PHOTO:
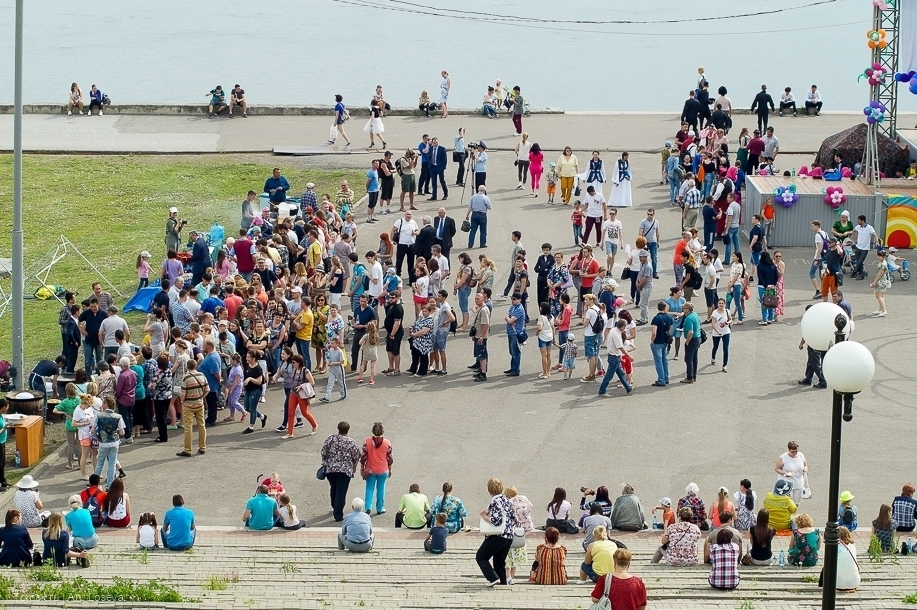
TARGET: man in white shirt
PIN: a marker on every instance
(813, 100)
(771, 144)
(595, 213)
(442, 260)
(787, 100)
(733, 212)
(376, 279)
(592, 340)
(177, 286)
(613, 231)
(403, 234)
(107, 330)
(614, 343)
(865, 236)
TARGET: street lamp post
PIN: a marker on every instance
(848, 367)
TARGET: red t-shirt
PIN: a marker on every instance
(243, 251)
(100, 496)
(591, 268)
(625, 592)
(755, 146)
(232, 303)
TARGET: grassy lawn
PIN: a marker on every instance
(112, 208)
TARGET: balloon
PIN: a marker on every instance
(835, 197)
(875, 112)
(786, 195)
(875, 74)
(876, 39)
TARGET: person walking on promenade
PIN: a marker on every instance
(760, 105)
(567, 169)
(478, 206)
(518, 109)
(340, 456)
(444, 89)
(340, 116)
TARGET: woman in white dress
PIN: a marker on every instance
(621, 195)
(444, 93)
(374, 125)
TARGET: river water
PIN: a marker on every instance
(305, 51)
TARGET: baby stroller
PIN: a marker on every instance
(847, 264)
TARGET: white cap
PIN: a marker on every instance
(223, 323)
(666, 502)
(296, 289)
(571, 337)
(144, 254)
(310, 185)
(173, 210)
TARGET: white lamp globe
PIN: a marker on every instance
(818, 327)
(849, 367)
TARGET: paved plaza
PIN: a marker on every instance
(540, 434)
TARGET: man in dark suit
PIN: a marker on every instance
(720, 119)
(423, 244)
(704, 101)
(200, 257)
(762, 101)
(444, 230)
(690, 112)
(438, 168)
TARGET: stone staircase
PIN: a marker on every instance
(304, 569)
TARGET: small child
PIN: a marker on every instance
(273, 484)
(666, 153)
(335, 365)
(291, 520)
(234, 388)
(551, 179)
(577, 218)
(911, 172)
(369, 352)
(392, 283)
(847, 512)
(436, 540)
(668, 517)
(147, 532)
(569, 349)
(627, 361)
(143, 269)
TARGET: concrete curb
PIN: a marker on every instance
(253, 110)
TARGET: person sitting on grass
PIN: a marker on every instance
(57, 544)
(261, 511)
(178, 529)
(356, 533)
(436, 540)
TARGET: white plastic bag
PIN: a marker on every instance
(334, 133)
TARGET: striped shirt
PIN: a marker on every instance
(195, 387)
(692, 199)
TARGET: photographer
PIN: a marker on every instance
(174, 225)
(406, 165)
(480, 164)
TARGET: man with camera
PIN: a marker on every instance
(480, 164)
(174, 225)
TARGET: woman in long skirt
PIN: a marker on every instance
(621, 195)
(374, 125)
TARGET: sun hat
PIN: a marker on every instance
(144, 254)
(666, 502)
(27, 482)
(846, 496)
(173, 210)
(783, 487)
(571, 337)
(552, 164)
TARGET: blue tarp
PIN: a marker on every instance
(141, 301)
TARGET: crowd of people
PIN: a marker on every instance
(266, 306)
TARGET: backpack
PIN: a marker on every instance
(365, 282)
(95, 509)
(599, 325)
(696, 280)
(345, 116)
(848, 515)
(679, 172)
(398, 167)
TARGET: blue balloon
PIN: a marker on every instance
(913, 87)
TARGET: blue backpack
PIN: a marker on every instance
(95, 509)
